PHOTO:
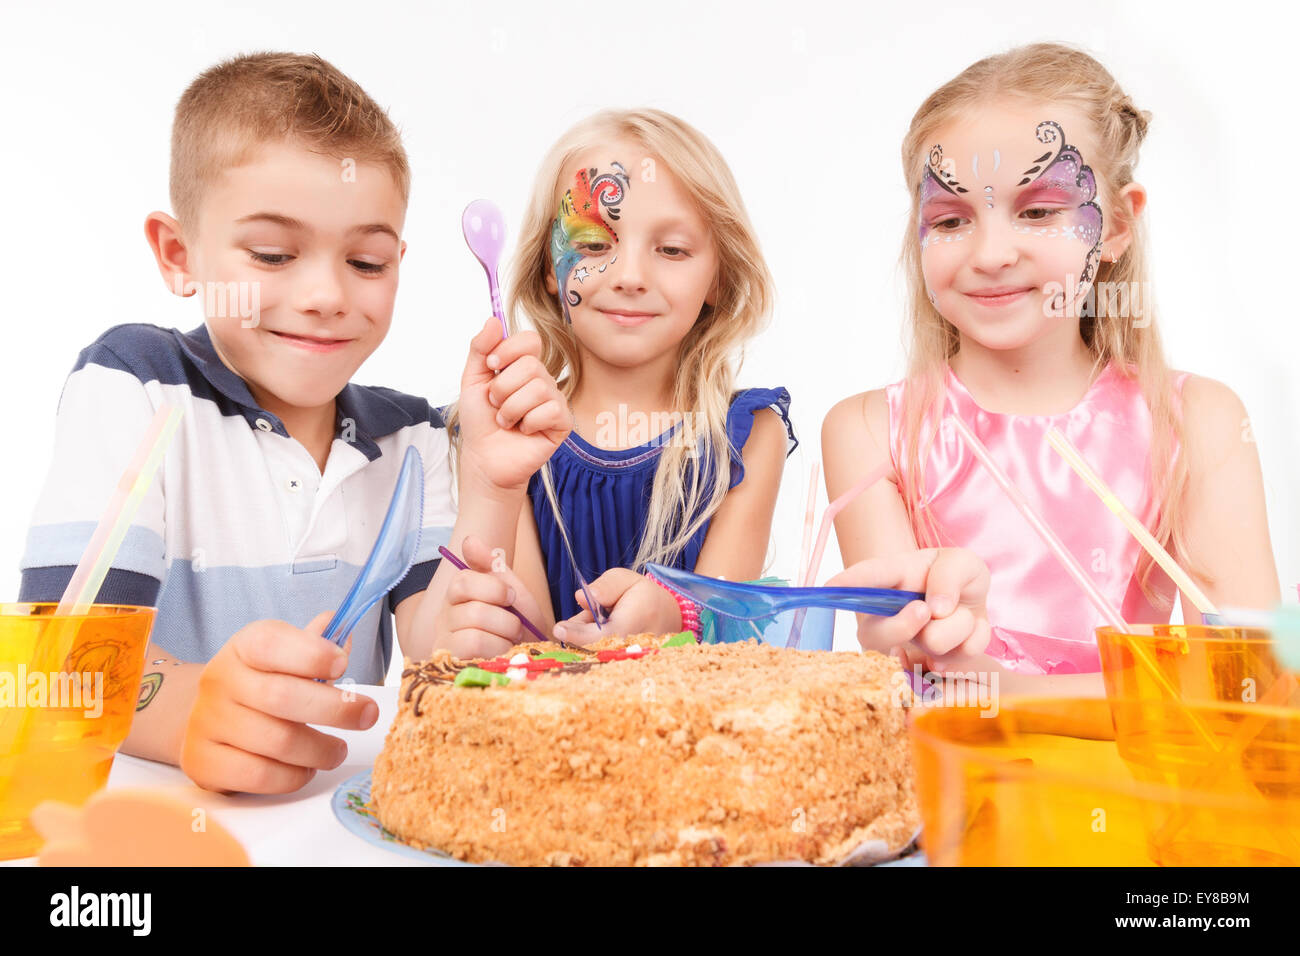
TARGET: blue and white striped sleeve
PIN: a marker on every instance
(104, 411)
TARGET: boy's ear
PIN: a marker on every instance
(164, 236)
(1132, 201)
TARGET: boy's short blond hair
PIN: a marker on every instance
(236, 106)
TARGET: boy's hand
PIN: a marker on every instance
(952, 618)
(512, 415)
(248, 728)
(474, 621)
(637, 605)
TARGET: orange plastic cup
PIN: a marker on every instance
(1037, 783)
(63, 726)
(1196, 663)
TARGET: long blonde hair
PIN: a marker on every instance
(686, 494)
(1054, 73)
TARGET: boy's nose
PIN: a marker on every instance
(321, 291)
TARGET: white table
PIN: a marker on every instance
(293, 829)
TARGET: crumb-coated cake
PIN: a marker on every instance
(649, 754)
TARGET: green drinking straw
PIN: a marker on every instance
(89, 576)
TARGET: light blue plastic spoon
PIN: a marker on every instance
(752, 602)
(394, 551)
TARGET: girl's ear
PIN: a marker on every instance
(1132, 200)
(552, 286)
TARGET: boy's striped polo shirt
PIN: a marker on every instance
(239, 524)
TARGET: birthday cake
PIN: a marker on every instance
(645, 751)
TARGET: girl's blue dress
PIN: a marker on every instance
(605, 497)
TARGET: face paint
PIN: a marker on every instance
(975, 163)
(939, 180)
(933, 188)
(1061, 172)
(579, 223)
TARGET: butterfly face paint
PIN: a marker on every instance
(937, 183)
(1060, 173)
(1054, 197)
(579, 225)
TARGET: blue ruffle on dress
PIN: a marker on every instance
(605, 497)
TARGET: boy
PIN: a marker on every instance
(289, 186)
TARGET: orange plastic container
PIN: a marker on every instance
(1195, 663)
(61, 726)
(1039, 783)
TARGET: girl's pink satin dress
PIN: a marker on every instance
(1042, 622)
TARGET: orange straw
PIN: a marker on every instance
(1139, 531)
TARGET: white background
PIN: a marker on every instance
(808, 102)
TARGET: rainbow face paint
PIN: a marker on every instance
(580, 223)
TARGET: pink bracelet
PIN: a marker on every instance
(689, 609)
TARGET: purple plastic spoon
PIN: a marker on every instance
(485, 234)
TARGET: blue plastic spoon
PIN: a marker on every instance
(394, 551)
(752, 602)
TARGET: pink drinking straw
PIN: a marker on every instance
(813, 475)
(828, 521)
(823, 534)
(1103, 606)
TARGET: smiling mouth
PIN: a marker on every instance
(627, 318)
(311, 343)
(1003, 295)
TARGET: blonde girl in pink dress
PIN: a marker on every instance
(1030, 308)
